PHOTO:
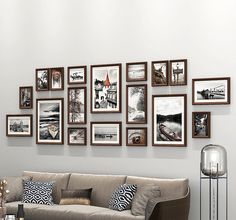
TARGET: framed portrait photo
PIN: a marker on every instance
(77, 136)
(25, 97)
(160, 73)
(50, 121)
(178, 72)
(136, 136)
(77, 75)
(136, 104)
(57, 78)
(136, 71)
(169, 120)
(42, 79)
(106, 88)
(201, 124)
(211, 91)
(106, 133)
(19, 125)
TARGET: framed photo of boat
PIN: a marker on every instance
(57, 78)
(136, 71)
(169, 118)
(26, 97)
(77, 105)
(160, 73)
(136, 136)
(50, 121)
(106, 133)
(42, 79)
(201, 125)
(211, 91)
(136, 104)
(178, 72)
(106, 88)
(77, 136)
(76, 75)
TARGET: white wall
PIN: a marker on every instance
(47, 33)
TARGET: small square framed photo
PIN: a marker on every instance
(136, 71)
(178, 72)
(136, 137)
(42, 79)
(77, 75)
(25, 97)
(57, 78)
(77, 136)
(201, 125)
(160, 73)
(19, 125)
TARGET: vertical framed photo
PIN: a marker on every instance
(42, 79)
(19, 125)
(50, 121)
(106, 88)
(136, 104)
(57, 78)
(26, 97)
(169, 126)
(136, 71)
(77, 105)
(211, 91)
(160, 73)
(201, 124)
(136, 136)
(77, 136)
(178, 72)
(77, 75)
(106, 133)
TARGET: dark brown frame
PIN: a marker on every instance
(85, 136)
(85, 105)
(36, 77)
(136, 63)
(62, 121)
(62, 78)
(76, 67)
(136, 128)
(167, 73)
(106, 122)
(145, 104)
(184, 125)
(185, 73)
(119, 65)
(211, 79)
(31, 96)
(20, 115)
(208, 124)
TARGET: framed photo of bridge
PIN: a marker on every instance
(178, 72)
(211, 91)
(136, 71)
(160, 73)
(169, 120)
(76, 75)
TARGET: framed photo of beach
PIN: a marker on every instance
(26, 97)
(77, 136)
(77, 75)
(50, 121)
(160, 73)
(136, 71)
(201, 125)
(169, 120)
(178, 72)
(136, 136)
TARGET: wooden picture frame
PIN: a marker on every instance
(178, 72)
(26, 97)
(136, 71)
(160, 73)
(201, 125)
(77, 136)
(136, 136)
(56, 78)
(42, 77)
(76, 75)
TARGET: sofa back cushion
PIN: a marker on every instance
(103, 186)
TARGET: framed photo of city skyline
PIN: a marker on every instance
(160, 73)
(136, 71)
(178, 72)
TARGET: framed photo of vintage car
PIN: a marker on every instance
(136, 136)
(57, 78)
(77, 75)
(201, 124)
(77, 136)
(136, 71)
(26, 97)
(178, 72)
(160, 73)
(42, 79)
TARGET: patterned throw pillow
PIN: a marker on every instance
(122, 197)
(37, 192)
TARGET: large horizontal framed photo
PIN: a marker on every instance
(106, 88)
(106, 133)
(57, 78)
(160, 73)
(136, 71)
(136, 137)
(19, 125)
(77, 75)
(26, 97)
(201, 125)
(42, 79)
(77, 136)
(169, 120)
(178, 72)
(211, 91)
(50, 121)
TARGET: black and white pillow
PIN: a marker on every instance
(122, 197)
(37, 192)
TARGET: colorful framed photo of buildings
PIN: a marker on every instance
(178, 72)
(136, 71)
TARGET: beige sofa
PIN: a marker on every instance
(172, 205)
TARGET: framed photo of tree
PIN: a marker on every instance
(42, 79)
(26, 97)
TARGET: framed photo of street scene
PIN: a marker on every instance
(211, 91)
(42, 79)
(160, 73)
(77, 136)
(77, 105)
(169, 123)
(77, 75)
(50, 121)
(178, 72)
(57, 78)
(106, 133)
(201, 124)
(26, 97)
(136, 71)
(136, 136)
(136, 104)
(19, 125)
(106, 88)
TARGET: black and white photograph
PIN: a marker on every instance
(25, 97)
(136, 71)
(19, 125)
(201, 125)
(106, 133)
(160, 73)
(136, 104)
(77, 136)
(77, 75)
(49, 121)
(169, 120)
(42, 79)
(211, 91)
(57, 78)
(178, 72)
(136, 136)
(106, 88)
